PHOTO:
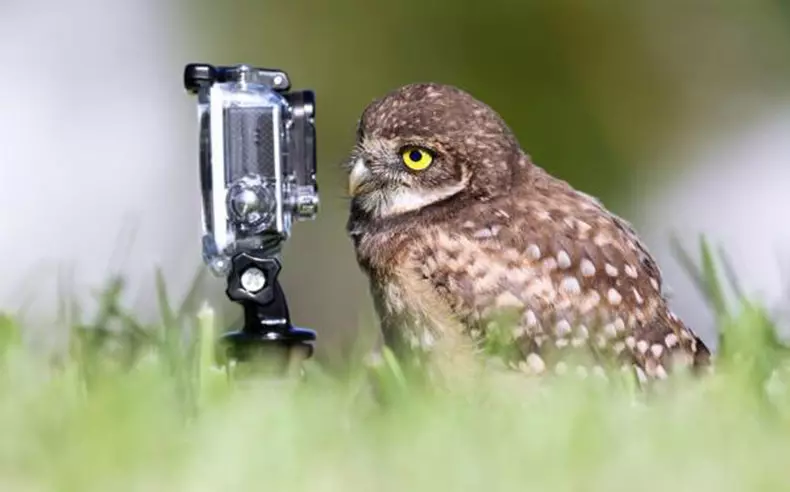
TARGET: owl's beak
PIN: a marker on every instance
(358, 176)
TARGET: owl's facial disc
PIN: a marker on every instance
(390, 177)
(424, 143)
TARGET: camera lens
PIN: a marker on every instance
(252, 205)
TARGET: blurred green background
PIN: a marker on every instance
(601, 93)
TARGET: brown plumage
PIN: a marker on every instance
(481, 238)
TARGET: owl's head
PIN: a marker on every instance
(427, 143)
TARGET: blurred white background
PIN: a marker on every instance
(736, 191)
(98, 171)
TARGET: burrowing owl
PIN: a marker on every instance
(457, 229)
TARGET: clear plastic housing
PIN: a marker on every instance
(243, 149)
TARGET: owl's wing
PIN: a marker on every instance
(572, 274)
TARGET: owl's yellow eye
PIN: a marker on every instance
(416, 158)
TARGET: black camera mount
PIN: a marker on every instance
(267, 334)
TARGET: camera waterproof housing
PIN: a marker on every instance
(257, 159)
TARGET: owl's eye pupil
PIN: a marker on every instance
(415, 155)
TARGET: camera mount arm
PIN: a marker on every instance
(267, 334)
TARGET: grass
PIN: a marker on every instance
(144, 408)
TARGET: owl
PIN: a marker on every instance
(467, 242)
